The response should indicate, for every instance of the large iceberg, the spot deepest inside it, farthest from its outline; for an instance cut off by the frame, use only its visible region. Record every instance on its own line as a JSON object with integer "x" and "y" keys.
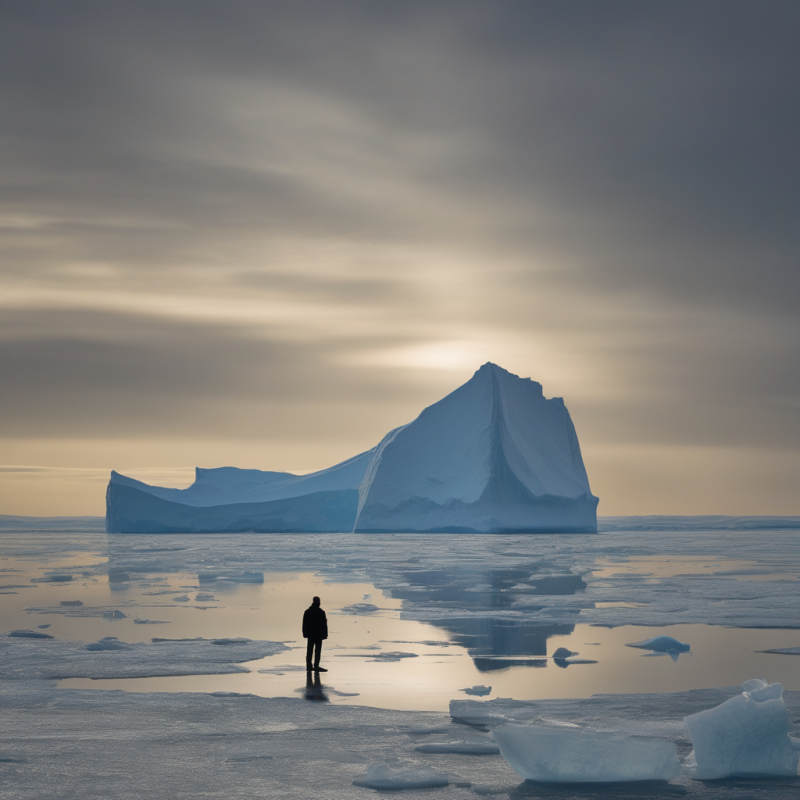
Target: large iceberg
{"x": 494, "y": 455}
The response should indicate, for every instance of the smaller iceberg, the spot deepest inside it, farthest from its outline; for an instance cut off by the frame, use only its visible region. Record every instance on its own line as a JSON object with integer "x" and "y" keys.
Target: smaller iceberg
{"x": 568, "y": 755}
{"x": 662, "y": 645}
{"x": 746, "y": 736}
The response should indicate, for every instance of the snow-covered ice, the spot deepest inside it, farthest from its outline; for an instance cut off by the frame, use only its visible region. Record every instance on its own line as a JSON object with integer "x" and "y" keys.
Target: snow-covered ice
{"x": 746, "y": 736}
{"x": 569, "y": 755}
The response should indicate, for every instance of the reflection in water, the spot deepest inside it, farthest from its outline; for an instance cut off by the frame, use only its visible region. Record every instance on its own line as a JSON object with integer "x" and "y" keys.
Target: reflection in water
{"x": 491, "y": 640}
{"x": 314, "y": 689}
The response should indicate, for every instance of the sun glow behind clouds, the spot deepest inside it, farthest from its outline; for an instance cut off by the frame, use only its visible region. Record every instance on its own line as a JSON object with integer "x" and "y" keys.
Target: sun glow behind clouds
{"x": 455, "y": 356}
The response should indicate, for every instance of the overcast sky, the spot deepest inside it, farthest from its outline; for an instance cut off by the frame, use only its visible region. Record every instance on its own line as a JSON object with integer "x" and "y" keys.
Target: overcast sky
{"x": 262, "y": 234}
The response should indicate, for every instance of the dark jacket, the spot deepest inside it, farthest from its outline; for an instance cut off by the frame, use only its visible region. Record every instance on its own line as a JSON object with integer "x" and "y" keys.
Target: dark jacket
{"x": 315, "y": 623}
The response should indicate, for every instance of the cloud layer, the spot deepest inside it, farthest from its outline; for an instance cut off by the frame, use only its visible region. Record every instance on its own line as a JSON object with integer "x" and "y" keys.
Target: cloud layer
{"x": 302, "y": 222}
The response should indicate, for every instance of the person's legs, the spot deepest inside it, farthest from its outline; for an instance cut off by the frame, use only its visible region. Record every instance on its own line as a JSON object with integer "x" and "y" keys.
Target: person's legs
{"x": 309, "y": 651}
{"x": 317, "y": 652}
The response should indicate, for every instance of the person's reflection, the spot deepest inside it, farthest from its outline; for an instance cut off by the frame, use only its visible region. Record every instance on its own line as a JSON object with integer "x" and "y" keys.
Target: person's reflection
{"x": 314, "y": 688}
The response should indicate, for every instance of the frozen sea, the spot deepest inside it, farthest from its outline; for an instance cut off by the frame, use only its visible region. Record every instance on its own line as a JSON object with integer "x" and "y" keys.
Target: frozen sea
{"x": 208, "y": 654}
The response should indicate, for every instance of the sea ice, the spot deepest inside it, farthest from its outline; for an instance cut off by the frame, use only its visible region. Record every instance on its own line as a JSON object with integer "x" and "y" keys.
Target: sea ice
{"x": 569, "y": 755}
{"x": 107, "y": 643}
{"x": 746, "y": 736}
{"x": 24, "y": 634}
{"x": 392, "y": 655}
{"x": 391, "y": 776}
{"x": 31, "y": 658}
{"x": 461, "y": 748}
{"x": 360, "y": 608}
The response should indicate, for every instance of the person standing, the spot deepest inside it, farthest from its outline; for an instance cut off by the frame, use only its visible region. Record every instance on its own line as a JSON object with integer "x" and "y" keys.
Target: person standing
{"x": 315, "y": 629}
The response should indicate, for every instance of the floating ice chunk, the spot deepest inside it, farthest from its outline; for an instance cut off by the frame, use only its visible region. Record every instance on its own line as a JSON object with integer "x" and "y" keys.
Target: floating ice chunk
{"x": 53, "y": 577}
{"x": 23, "y": 634}
{"x": 184, "y": 598}
{"x": 360, "y": 608}
{"x": 391, "y": 776}
{"x": 661, "y": 644}
{"x": 480, "y": 691}
{"x": 392, "y": 655}
{"x": 240, "y": 640}
{"x": 107, "y": 643}
{"x": 462, "y": 748}
{"x": 746, "y": 736}
{"x": 143, "y": 621}
{"x": 565, "y": 755}
{"x": 785, "y": 651}
{"x": 71, "y": 603}
{"x": 230, "y": 577}
{"x": 46, "y": 625}
{"x": 116, "y": 614}
{"x": 563, "y": 652}
{"x": 204, "y": 597}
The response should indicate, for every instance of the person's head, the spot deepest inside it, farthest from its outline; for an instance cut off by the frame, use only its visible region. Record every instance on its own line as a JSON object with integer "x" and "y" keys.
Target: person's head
{"x": 315, "y": 602}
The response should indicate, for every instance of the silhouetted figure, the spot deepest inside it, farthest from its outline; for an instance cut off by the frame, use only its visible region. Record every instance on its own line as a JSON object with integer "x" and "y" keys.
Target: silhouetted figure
{"x": 315, "y": 629}
{"x": 315, "y": 691}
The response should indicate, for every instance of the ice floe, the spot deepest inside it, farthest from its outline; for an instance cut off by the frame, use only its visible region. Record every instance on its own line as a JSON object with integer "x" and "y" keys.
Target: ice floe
{"x": 34, "y": 658}
{"x": 395, "y": 777}
{"x": 461, "y": 748}
{"x": 360, "y": 608}
{"x": 25, "y": 634}
{"x": 568, "y": 755}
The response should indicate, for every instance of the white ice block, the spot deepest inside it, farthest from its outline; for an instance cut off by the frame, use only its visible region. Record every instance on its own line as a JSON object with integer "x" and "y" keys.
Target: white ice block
{"x": 746, "y": 736}
{"x": 568, "y": 755}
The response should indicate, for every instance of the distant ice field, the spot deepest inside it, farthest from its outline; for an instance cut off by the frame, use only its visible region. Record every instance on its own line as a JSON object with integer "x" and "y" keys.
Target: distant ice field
{"x": 414, "y": 619}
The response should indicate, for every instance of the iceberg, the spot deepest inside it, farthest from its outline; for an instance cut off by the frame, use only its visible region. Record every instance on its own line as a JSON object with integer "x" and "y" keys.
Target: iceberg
{"x": 569, "y": 755}
{"x": 746, "y": 736}
{"x": 495, "y": 455}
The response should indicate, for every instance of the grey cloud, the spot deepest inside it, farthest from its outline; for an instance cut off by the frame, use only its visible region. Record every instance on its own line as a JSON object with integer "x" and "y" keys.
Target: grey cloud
{"x": 622, "y": 155}
{"x": 123, "y": 375}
